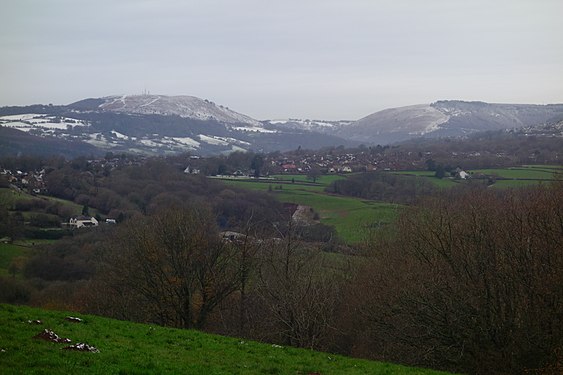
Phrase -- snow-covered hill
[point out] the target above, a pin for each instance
(447, 118)
(157, 124)
(183, 106)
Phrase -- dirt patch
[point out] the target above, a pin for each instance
(343, 213)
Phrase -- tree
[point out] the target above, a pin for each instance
(257, 164)
(313, 174)
(174, 264)
(472, 283)
(440, 172)
(300, 298)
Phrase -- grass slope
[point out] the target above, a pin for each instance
(130, 348)
(9, 197)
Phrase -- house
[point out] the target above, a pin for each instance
(83, 222)
(190, 170)
(463, 175)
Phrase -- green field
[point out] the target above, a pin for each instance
(129, 348)
(429, 176)
(8, 197)
(506, 177)
(8, 252)
(351, 217)
(531, 173)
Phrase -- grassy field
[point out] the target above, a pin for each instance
(8, 197)
(532, 173)
(8, 252)
(129, 348)
(352, 217)
(429, 176)
(506, 177)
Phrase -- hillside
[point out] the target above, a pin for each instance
(163, 125)
(15, 142)
(447, 118)
(131, 348)
(151, 125)
(183, 106)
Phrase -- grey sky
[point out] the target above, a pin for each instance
(323, 59)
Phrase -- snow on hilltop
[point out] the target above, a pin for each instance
(183, 106)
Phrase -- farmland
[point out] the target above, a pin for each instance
(519, 176)
(352, 217)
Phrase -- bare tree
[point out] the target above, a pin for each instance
(300, 295)
(473, 282)
(175, 263)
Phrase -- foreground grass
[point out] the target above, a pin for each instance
(129, 348)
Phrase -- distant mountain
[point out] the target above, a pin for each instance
(156, 125)
(182, 106)
(448, 118)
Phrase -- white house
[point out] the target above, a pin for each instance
(190, 170)
(83, 222)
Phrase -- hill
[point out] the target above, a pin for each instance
(162, 125)
(183, 106)
(131, 348)
(152, 125)
(15, 142)
(447, 118)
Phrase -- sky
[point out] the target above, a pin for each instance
(314, 59)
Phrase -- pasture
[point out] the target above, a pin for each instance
(511, 177)
(352, 218)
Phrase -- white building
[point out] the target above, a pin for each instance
(83, 222)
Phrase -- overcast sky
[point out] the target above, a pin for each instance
(322, 59)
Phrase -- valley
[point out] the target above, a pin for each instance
(188, 223)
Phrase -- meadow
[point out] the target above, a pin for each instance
(131, 348)
(9, 197)
(352, 218)
(512, 177)
(8, 253)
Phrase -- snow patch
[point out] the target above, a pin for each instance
(254, 130)
(212, 140)
(119, 135)
(186, 141)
